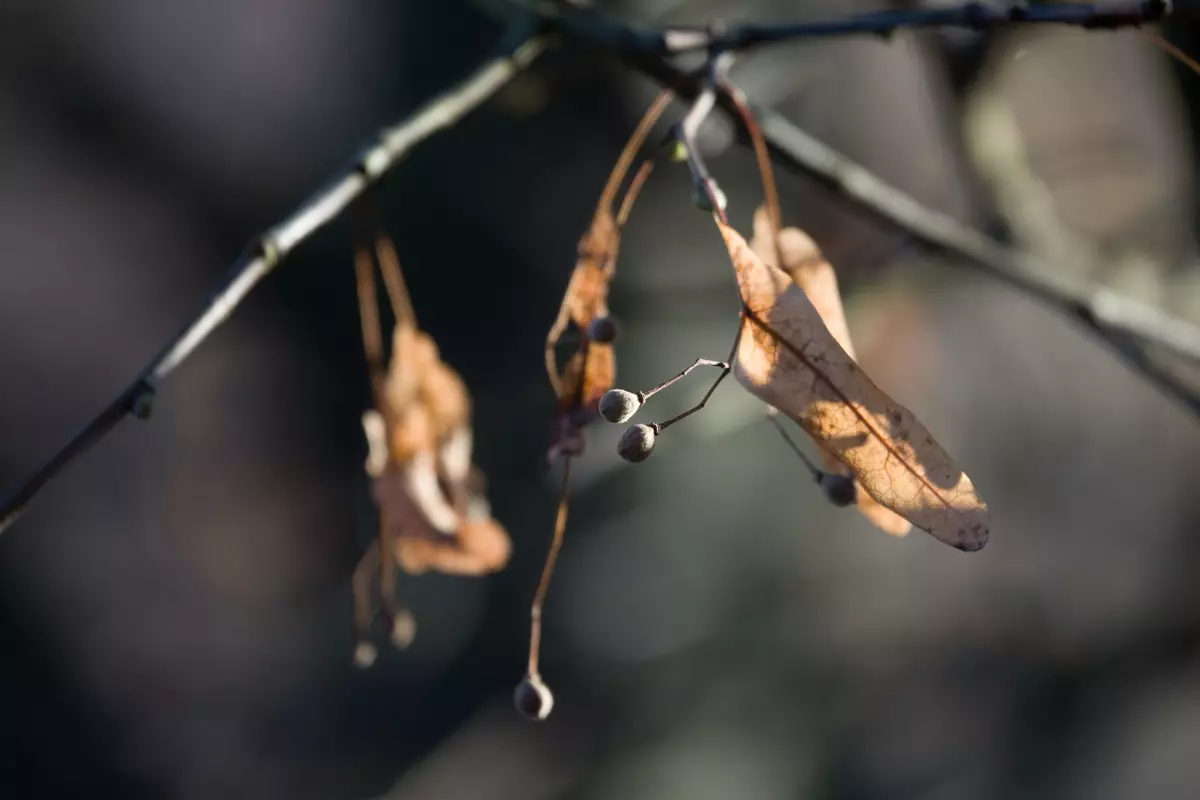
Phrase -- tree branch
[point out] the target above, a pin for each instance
(978, 16)
(1125, 324)
(518, 49)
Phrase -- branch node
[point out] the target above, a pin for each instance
(141, 399)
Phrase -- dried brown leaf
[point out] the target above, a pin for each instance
(789, 359)
(812, 272)
(427, 490)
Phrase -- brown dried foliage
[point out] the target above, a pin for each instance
(591, 369)
(789, 359)
(812, 272)
(433, 514)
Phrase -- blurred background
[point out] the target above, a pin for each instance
(175, 611)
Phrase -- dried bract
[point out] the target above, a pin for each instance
(789, 359)
(812, 272)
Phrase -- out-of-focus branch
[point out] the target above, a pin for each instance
(518, 49)
(978, 16)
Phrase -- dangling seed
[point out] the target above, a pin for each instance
(365, 654)
(603, 330)
(636, 443)
(533, 698)
(404, 629)
(839, 489)
(618, 405)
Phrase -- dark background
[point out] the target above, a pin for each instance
(175, 614)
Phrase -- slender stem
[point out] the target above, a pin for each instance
(761, 156)
(773, 416)
(630, 151)
(725, 366)
(539, 597)
(978, 16)
(519, 49)
(635, 188)
(699, 362)
(687, 130)
(368, 315)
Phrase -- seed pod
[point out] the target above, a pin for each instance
(604, 330)
(618, 405)
(404, 629)
(533, 698)
(840, 489)
(637, 443)
(365, 654)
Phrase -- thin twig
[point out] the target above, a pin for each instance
(773, 417)
(518, 49)
(978, 16)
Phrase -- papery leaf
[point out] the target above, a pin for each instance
(427, 492)
(788, 359)
(812, 272)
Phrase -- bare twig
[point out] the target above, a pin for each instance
(519, 48)
(979, 16)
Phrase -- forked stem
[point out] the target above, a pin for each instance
(699, 362)
(725, 366)
(539, 597)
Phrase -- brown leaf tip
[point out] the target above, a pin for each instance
(973, 538)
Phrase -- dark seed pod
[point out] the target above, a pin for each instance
(604, 330)
(839, 489)
(533, 698)
(637, 443)
(618, 405)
